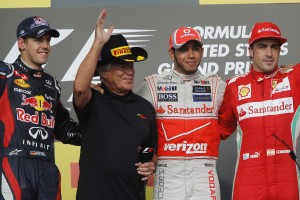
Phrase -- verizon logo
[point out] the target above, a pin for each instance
(264, 108)
(188, 148)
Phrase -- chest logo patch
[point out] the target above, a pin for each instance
(38, 102)
(21, 83)
(244, 91)
(201, 89)
(202, 98)
(160, 110)
(167, 97)
(280, 85)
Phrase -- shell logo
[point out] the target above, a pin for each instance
(21, 83)
(244, 91)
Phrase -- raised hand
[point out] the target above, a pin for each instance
(100, 35)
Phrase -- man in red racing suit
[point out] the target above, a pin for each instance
(31, 116)
(186, 105)
(265, 105)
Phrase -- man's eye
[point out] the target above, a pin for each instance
(183, 49)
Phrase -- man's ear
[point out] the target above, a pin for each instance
(250, 49)
(171, 54)
(21, 43)
(103, 75)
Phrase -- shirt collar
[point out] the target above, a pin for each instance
(185, 78)
(24, 68)
(108, 93)
(261, 76)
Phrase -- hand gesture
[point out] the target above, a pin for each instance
(100, 35)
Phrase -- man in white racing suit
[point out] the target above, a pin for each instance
(186, 105)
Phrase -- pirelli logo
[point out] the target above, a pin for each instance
(121, 51)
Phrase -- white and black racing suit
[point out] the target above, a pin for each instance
(188, 135)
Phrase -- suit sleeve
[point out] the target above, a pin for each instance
(3, 79)
(227, 119)
(221, 90)
(144, 91)
(66, 129)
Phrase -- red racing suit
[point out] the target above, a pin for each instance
(188, 135)
(266, 110)
(31, 116)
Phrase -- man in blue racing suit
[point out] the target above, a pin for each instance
(31, 117)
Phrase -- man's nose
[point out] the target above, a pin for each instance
(269, 52)
(190, 53)
(45, 44)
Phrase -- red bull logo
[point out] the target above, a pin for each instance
(47, 106)
(37, 102)
(35, 118)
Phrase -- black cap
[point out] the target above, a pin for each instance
(117, 49)
(35, 27)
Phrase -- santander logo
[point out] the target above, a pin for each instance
(176, 110)
(263, 108)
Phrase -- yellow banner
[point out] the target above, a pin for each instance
(66, 158)
(25, 3)
(208, 2)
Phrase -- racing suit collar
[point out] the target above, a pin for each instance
(261, 76)
(24, 68)
(185, 78)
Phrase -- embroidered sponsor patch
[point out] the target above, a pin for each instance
(201, 82)
(265, 108)
(121, 51)
(244, 91)
(280, 85)
(167, 97)
(198, 98)
(166, 88)
(201, 89)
